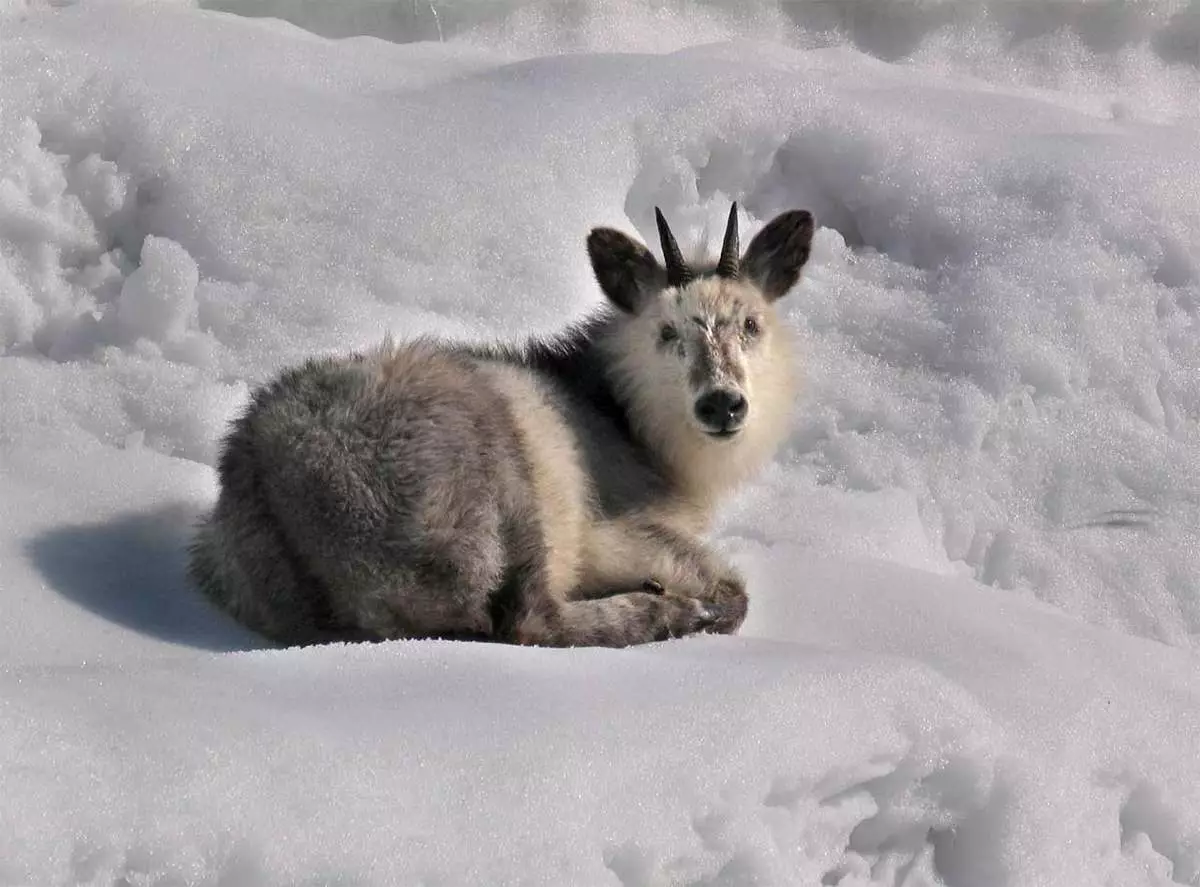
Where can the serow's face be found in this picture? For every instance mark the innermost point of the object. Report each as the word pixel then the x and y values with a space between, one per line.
pixel 709 342
pixel 701 342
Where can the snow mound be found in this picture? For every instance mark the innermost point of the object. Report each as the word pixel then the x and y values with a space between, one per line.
pixel 159 298
pixel 377 784
pixel 999 333
pixel 878 729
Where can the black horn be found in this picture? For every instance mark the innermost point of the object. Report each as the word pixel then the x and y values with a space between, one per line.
pixel 730 262
pixel 678 272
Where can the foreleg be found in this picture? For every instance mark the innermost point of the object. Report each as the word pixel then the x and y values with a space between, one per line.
pixel 628 553
pixel 524 611
pixel 619 620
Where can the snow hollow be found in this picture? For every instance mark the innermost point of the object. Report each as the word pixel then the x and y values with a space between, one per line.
pixel 971 656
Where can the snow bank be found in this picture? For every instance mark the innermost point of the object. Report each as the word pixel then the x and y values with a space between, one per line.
pixel 1085 789
pixel 438 763
pixel 878 727
pixel 1076 38
pixel 999 329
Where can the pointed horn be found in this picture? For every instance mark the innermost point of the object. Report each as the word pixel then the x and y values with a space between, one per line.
pixel 729 264
pixel 678 272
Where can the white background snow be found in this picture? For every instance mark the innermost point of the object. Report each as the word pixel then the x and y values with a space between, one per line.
pixel 972 652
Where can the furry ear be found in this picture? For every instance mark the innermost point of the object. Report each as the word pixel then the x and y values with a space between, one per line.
pixel 777 253
pixel 627 272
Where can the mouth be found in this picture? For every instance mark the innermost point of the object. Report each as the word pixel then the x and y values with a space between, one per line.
pixel 722 433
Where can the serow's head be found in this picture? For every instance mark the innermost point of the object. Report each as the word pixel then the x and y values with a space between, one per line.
pixel 702 346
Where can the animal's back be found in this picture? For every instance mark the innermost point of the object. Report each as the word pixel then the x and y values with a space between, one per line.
pixel 348 486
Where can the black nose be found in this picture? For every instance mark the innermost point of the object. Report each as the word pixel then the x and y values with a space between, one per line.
pixel 722 411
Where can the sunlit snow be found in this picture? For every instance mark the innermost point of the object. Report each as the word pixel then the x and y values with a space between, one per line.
pixel 971 655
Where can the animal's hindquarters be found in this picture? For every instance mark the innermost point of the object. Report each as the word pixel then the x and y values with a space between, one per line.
pixel 388 480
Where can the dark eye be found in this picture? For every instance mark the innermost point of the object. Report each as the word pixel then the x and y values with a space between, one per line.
pixel 668 333
pixel 751 327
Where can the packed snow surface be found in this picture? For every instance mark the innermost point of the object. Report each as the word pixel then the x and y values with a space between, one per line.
pixel 972 651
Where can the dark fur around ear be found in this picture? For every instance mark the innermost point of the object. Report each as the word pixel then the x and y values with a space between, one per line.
pixel 777 253
pixel 627 272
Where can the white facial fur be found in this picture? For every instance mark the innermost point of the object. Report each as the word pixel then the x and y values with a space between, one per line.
pixel 711 350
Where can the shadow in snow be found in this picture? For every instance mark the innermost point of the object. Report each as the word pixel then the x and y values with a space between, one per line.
pixel 132 570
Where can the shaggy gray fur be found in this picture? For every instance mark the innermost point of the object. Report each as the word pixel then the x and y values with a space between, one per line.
pixel 434 489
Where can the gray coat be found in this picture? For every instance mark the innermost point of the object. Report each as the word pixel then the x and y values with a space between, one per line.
pixel 554 493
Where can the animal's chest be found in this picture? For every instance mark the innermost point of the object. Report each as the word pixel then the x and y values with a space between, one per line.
pixel 586 476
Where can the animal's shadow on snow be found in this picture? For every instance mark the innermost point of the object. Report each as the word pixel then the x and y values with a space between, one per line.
pixel 132 570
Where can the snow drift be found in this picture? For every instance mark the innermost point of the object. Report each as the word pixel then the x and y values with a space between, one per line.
pixel 975 569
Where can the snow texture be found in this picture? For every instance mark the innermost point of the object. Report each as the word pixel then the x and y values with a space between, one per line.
pixel 971 655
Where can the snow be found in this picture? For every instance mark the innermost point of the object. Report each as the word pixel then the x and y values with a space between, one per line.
pixel 974 567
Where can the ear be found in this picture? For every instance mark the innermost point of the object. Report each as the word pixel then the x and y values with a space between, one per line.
pixel 777 253
pixel 626 271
